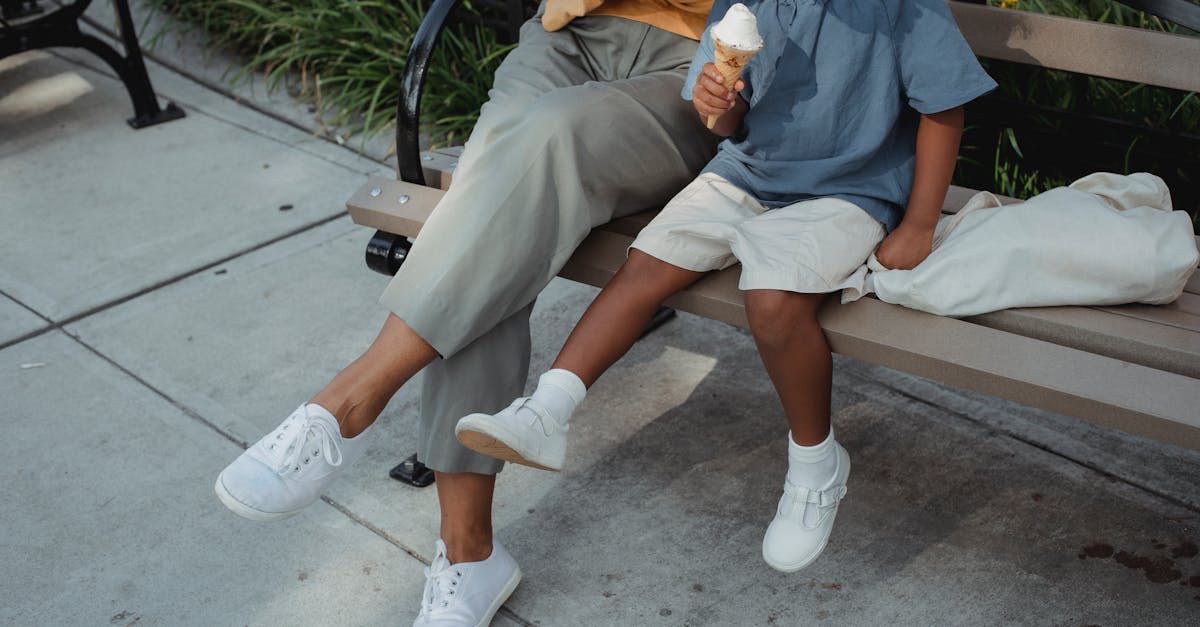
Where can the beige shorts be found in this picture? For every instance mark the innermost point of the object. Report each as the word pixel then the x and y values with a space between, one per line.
pixel 814 246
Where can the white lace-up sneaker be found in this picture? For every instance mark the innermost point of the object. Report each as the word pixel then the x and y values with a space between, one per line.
pixel 800 530
pixel 467 594
pixel 289 467
pixel 524 433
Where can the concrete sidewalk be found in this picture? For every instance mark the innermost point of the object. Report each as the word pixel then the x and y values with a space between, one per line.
pixel 168 295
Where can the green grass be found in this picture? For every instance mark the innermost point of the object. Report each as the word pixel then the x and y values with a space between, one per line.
pixel 347 57
pixel 1165 109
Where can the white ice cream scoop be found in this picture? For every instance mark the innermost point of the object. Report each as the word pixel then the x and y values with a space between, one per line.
pixel 738 29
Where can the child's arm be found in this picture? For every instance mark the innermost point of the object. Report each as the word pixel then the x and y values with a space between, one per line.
pixel 710 97
pixel 937 151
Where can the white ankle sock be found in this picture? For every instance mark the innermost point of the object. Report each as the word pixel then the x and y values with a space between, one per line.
pixel 560 392
pixel 812 467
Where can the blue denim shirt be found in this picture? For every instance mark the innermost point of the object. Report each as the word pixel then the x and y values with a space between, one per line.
pixel 836 95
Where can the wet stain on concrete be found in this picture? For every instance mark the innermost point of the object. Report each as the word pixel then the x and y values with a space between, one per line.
pixel 1098 550
pixel 1185 549
pixel 609 594
pixel 1157 569
pixel 302 576
pixel 125 617
pixel 698 587
pixel 664 612
pixel 832 586
pixel 1037 496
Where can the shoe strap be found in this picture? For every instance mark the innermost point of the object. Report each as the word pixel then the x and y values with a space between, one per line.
pixel 820 498
pixel 549 424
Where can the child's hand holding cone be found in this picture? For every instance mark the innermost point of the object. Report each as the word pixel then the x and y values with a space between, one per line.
pixel 711 97
pixel 735 41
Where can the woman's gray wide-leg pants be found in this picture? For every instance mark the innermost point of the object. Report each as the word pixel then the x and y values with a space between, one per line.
pixel 582 125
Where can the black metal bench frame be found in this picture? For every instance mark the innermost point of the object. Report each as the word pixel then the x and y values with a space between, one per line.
pixel 60 28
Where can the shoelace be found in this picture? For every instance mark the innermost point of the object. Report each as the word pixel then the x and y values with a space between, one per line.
pixel 296 443
pixel 540 415
pixel 441 583
pixel 807 496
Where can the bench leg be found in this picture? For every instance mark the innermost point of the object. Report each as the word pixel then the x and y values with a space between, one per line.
pixel 412 472
pixel 660 317
pixel 61 29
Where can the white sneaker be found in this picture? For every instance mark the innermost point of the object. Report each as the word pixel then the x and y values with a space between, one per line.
pixel 800 530
pixel 531 437
pixel 289 467
pixel 467 594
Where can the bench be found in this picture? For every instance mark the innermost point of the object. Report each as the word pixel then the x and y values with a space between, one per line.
pixel 24 26
pixel 1134 368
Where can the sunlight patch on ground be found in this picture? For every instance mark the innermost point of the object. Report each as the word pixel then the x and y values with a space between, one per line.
pixel 43 95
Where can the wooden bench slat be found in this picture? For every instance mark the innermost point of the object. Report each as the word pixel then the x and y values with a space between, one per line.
pixel 1158 346
pixel 1193 284
pixel 1157 314
pixel 1187 303
pixel 1105 50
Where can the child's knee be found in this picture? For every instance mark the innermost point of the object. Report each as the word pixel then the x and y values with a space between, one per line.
pixel 642 266
pixel 777 314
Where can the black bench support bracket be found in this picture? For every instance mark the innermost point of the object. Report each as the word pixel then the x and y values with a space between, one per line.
pixel 60 28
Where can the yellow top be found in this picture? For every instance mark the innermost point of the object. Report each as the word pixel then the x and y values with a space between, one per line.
pixel 682 17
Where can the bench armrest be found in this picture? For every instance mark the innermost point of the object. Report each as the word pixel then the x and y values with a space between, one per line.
pixel 408 126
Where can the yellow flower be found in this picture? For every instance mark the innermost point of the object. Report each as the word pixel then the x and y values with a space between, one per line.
pixel 1008 4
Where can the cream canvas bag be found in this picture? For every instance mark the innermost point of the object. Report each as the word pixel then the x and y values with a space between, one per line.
pixel 1107 239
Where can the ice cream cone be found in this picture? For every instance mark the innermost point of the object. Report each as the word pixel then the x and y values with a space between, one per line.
pixel 730 62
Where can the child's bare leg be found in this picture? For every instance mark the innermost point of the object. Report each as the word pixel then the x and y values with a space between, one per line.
pixel 796 356
pixel 798 359
pixel 615 320
pixel 532 431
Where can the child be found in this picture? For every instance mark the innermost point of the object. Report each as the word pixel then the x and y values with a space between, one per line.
pixel 842 138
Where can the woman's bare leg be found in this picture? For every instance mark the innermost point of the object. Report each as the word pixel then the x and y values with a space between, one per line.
pixel 466 503
pixel 359 392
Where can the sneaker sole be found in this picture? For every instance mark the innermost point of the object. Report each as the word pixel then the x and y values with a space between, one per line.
pixel 243 510
pixel 488 444
pixel 506 592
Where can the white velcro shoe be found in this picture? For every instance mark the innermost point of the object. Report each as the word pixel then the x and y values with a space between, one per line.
pixel 524 433
pixel 467 594
pixel 804 519
pixel 289 467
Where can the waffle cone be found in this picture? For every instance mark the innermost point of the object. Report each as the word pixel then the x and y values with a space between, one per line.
pixel 730 62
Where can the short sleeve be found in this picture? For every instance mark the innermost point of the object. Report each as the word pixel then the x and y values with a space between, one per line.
pixel 937 68
pixel 704 52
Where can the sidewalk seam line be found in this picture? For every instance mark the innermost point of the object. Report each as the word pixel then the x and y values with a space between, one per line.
pixel 121 300
pixel 187 411
pixel 229 95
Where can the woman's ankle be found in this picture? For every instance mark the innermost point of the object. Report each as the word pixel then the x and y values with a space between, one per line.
pixel 353 417
pixel 474 546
